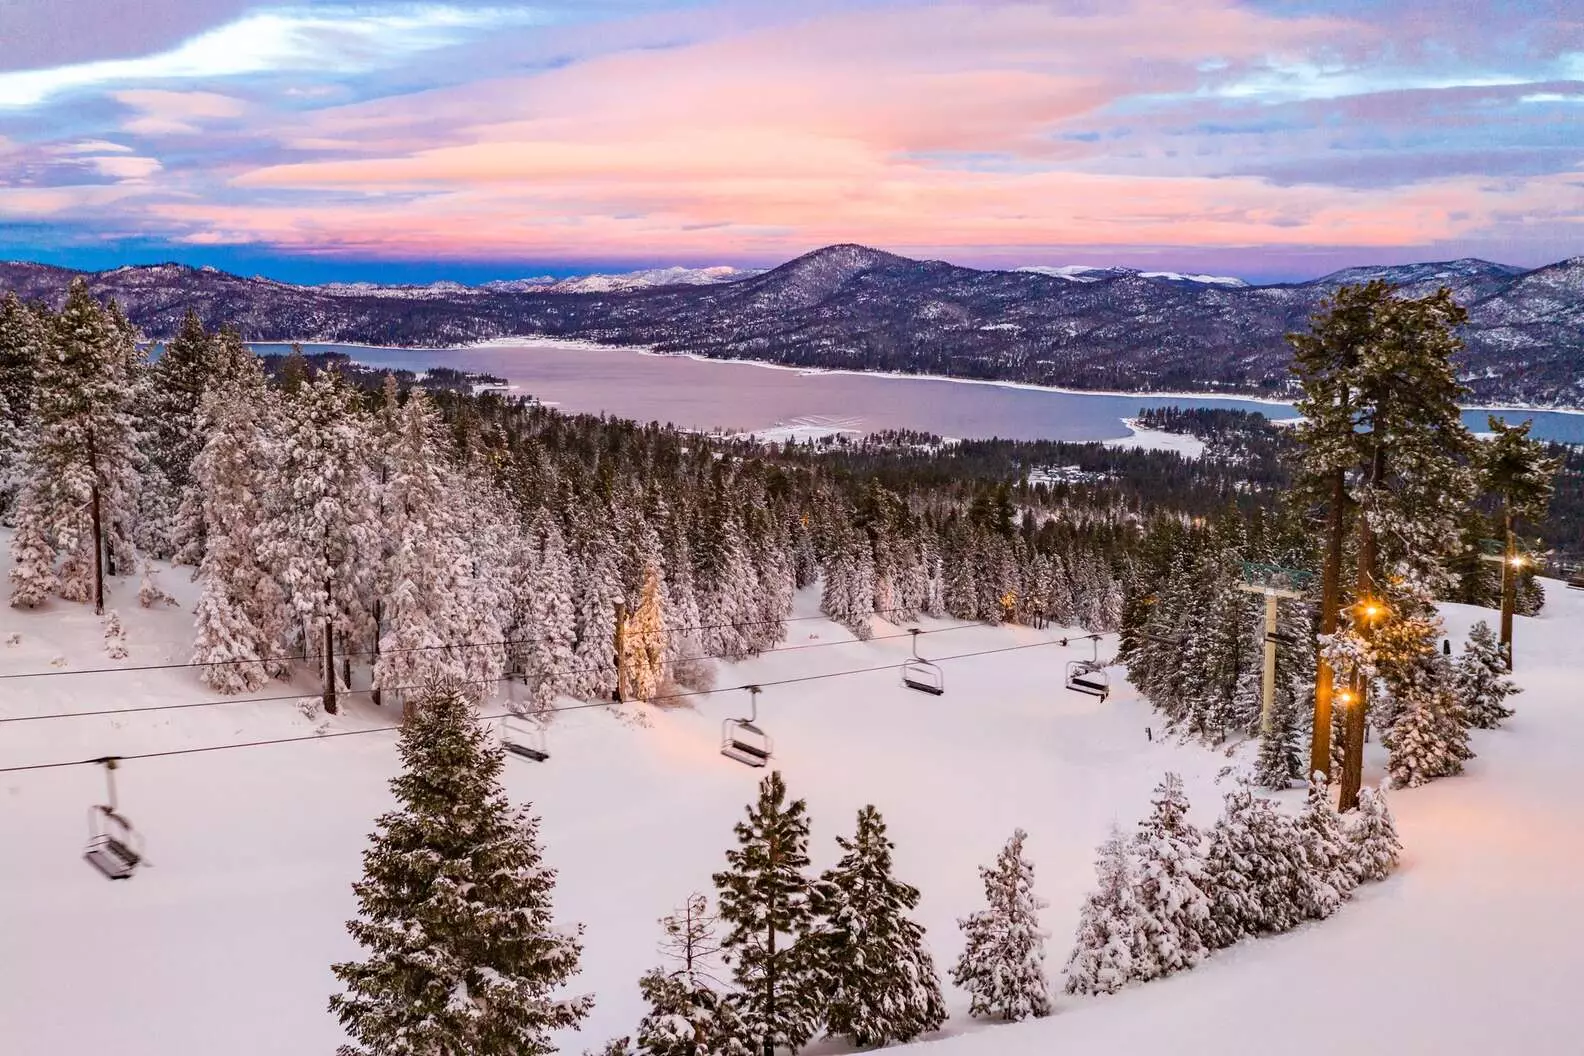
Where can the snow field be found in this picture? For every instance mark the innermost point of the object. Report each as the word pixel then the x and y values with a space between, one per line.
pixel 224 943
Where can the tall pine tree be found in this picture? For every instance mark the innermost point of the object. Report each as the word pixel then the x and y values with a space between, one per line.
pixel 882 984
pixel 1003 962
pixel 766 902
pixel 454 908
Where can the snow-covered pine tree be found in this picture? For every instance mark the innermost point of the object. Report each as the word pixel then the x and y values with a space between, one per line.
pixel 765 901
pixel 23 339
pixel 1429 738
pixel 79 491
pixel 551 627
pixel 644 667
pixel 242 612
pixel 320 532
pixel 688 1016
pixel 114 636
pixel 454 908
pixel 177 380
pixel 1482 682
pixel 1173 908
pixel 1279 762
pixel 882 983
pixel 1253 867
pixel 1003 962
pixel 1330 872
pixel 1101 961
pixel 420 575
pixel 1373 836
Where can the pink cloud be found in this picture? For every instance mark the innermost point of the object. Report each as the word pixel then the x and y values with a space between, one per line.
pixel 166 113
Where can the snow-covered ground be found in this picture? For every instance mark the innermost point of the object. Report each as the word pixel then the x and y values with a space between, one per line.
pixel 1157 440
pixel 223 944
pixel 805 429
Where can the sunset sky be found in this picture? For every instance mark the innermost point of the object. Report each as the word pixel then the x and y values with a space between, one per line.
pixel 400 142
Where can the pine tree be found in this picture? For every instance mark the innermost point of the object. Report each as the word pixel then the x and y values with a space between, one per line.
pixel 1101 961
pixel 1253 870
pixel 80 474
pixel 177 381
pixel 1002 965
pixel 23 340
pixel 1330 872
pixel 551 627
pixel 1373 836
pixel 1429 738
pixel 644 642
pixel 1174 910
pixel 883 987
pixel 320 535
pixel 688 1016
pixel 454 908
pixel 1482 682
pixel 1279 762
pixel 242 612
pixel 765 899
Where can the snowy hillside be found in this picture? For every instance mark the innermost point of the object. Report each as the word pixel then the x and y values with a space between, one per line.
pixel 223 944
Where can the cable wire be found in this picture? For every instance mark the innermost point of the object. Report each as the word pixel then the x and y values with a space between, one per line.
pixel 6 719
pixel 510 714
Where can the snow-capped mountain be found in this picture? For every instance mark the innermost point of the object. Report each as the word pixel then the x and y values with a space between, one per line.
pixel 853 307
pixel 1087 273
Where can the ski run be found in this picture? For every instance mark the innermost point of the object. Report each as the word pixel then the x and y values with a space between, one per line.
pixel 223 942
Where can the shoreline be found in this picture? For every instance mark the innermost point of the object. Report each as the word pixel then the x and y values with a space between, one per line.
pixel 649 350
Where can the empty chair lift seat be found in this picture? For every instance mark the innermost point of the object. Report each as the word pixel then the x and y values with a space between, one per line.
pixel 112 846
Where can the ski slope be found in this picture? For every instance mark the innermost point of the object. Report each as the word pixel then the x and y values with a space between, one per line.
pixel 223 943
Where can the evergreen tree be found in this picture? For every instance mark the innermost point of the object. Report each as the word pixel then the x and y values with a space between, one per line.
pixel 687 1015
pixel 80 475
pixel 1429 738
pixel 644 642
pixel 1373 836
pixel 1003 963
pixel 1280 762
pixel 177 381
pixel 551 626
pixel 1174 911
pixel 242 612
pixel 1482 682
pixel 454 908
pixel 1101 961
pixel 1254 867
pixel 765 900
pixel 883 987
pixel 23 340
pixel 1330 872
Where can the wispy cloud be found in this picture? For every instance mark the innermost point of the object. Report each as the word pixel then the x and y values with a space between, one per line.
pixel 346 40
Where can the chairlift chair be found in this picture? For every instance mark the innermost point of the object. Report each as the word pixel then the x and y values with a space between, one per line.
pixel 742 740
pixel 1088 676
pixel 524 739
pixel 1576 581
pixel 114 847
pixel 918 673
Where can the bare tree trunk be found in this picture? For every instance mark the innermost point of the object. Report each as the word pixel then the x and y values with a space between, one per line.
pixel 98 547
pixel 621 651
pixel 1353 742
pixel 1330 609
pixel 1509 589
pixel 379 610
pixel 330 705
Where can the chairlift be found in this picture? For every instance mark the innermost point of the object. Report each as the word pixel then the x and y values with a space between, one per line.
pixel 1576 581
pixel 524 738
pixel 744 741
pixel 1088 676
pixel 114 848
pixel 918 673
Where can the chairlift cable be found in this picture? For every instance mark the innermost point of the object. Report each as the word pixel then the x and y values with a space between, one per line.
pixel 201 749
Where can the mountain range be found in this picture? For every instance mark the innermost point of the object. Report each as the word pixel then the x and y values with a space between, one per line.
pixel 852 307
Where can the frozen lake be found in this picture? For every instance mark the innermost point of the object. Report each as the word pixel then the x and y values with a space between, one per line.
pixel 704 394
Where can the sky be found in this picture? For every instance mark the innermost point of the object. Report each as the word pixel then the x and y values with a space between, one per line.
pixel 398 141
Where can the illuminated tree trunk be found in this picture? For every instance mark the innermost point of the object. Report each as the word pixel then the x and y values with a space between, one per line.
pixel 1330 609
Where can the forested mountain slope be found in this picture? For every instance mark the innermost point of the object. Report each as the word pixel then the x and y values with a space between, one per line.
pixel 852 307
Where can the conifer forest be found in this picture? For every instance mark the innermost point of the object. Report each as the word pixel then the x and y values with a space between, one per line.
pixel 432 549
